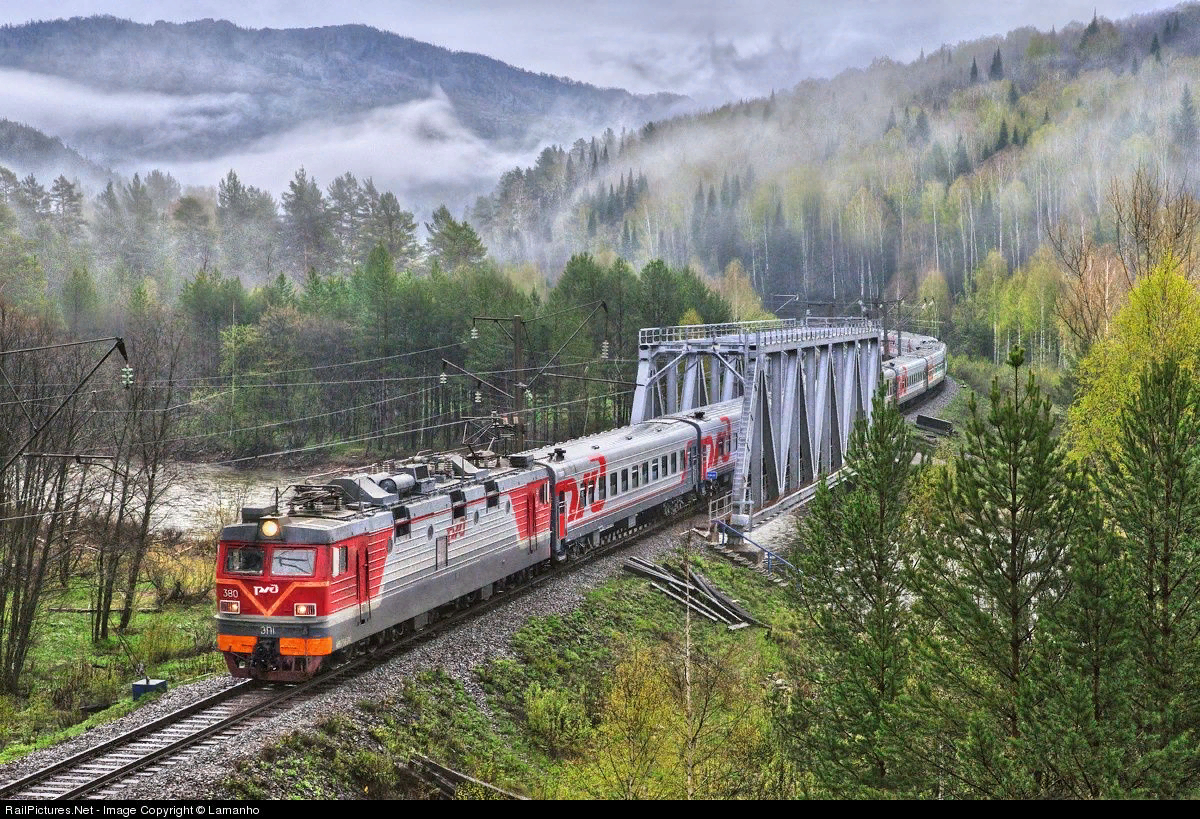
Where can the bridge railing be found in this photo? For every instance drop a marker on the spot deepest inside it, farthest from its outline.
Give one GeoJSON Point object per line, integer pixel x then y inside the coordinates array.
{"type": "Point", "coordinates": [772, 562]}
{"type": "Point", "coordinates": [776, 330]}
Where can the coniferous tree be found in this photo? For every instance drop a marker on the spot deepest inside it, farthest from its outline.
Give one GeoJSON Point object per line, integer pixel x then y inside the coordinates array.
{"type": "Point", "coordinates": [1081, 733]}
{"type": "Point", "coordinates": [453, 244]}
{"type": "Point", "coordinates": [962, 162]}
{"type": "Point", "coordinates": [1156, 49]}
{"type": "Point", "coordinates": [1185, 120]}
{"type": "Point", "coordinates": [853, 557]}
{"type": "Point", "coordinates": [1152, 487]}
{"type": "Point", "coordinates": [996, 70]}
{"type": "Point", "coordinates": [974, 71]}
{"type": "Point", "coordinates": [992, 570]}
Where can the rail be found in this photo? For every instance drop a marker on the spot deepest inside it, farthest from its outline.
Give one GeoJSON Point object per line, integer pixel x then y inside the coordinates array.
{"type": "Point", "coordinates": [772, 562]}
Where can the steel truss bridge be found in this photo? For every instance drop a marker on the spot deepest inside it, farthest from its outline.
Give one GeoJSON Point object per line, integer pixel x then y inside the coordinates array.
{"type": "Point", "coordinates": [802, 384]}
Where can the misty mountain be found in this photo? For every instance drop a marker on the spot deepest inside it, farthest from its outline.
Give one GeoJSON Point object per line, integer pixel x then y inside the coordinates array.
{"type": "Point", "coordinates": [204, 89]}
{"type": "Point", "coordinates": [894, 178]}
{"type": "Point", "coordinates": [26, 150]}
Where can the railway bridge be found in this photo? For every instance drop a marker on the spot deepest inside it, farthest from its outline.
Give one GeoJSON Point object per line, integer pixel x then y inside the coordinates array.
{"type": "Point", "coordinates": [802, 384]}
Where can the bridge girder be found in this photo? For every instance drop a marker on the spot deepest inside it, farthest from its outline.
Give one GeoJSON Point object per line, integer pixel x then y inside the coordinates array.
{"type": "Point", "coordinates": [802, 385]}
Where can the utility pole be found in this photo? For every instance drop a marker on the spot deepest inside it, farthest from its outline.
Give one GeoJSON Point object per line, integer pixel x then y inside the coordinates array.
{"type": "Point", "coordinates": [518, 397]}
{"type": "Point", "coordinates": [518, 329]}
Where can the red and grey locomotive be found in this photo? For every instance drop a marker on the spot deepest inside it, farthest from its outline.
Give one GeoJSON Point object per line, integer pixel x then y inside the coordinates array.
{"type": "Point", "coordinates": [358, 557]}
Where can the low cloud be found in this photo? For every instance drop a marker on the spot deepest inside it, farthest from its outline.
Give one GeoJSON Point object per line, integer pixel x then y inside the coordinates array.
{"type": "Point", "coordinates": [419, 150]}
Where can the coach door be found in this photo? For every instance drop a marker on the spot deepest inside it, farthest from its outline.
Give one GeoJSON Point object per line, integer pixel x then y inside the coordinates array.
{"type": "Point", "coordinates": [531, 507]}
{"type": "Point", "coordinates": [363, 569]}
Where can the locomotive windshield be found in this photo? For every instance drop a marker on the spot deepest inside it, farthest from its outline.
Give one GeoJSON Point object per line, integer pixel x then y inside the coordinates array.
{"type": "Point", "coordinates": [244, 560]}
{"type": "Point", "coordinates": [293, 561]}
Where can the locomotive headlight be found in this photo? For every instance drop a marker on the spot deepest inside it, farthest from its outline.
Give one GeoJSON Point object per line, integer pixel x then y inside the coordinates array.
{"type": "Point", "coordinates": [305, 609]}
{"type": "Point", "coordinates": [230, 607]}
{"type": "Point", "coordinates": [268, 527]}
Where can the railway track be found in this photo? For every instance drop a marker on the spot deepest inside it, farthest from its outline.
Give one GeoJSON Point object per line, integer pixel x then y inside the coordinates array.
{"type": "Point", "coordinates": [104, 770]}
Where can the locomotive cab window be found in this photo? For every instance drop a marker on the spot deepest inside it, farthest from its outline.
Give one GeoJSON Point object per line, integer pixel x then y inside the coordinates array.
{"type": "Point", "coordinates": [338, 562]}
{"type": "Point", "coordinates": [293, 561]}
{"type": "Point", "coordinates": [244, 560]}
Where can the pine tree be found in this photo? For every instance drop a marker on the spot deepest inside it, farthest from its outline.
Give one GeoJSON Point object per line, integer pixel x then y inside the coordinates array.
{"type": "Point", "coordinates": [1156, 49]}
{"type": "Point", "coordinates": [1002, 140]}
{"type": "Point", "coordinates": [1152, 487]}
{"type": "Point", "coordinates": [996, 70]}
{"type": "Point", "coordinates": [1013, 96]}
{"type": "Point", "coordinates": [989, 573]}
{"type": "Point", "coordinates": [1081, 733]}
{"type": "Point", "coordinates": [853, 558]}
{"type": "Point", "coordinates": [1185, 121]}
{"type": "Point", "coordinates": [453, 244]}
{"type": "Point", "coordinates": [962, 163]}
{"type": "Point", "coordinates": [974, 71]}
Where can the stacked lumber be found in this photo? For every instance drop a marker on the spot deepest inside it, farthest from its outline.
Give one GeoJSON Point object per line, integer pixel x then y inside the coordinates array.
{"type": "Point", "coordinates": [692, 589]}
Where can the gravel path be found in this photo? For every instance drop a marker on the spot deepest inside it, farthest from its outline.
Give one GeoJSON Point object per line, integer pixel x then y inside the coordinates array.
{"type": "Point", "coordinates": [456, 652]}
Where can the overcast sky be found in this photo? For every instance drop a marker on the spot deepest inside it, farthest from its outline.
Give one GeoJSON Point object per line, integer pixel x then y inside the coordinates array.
{"type": "Point", "coordinates": [707, 49]}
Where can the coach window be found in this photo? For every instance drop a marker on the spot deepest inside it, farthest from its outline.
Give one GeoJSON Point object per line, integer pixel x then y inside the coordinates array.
{"type": "Point", "coordinates": [624, 480]}
{"type": "Point", "coordinates": [603, 487]}
{"type": "Point", "coordinates": [654, 471]}
{"type": "Point", "coordinates": [674, 462]}
{"type": "Point", "coordinates": [664, 466]}
{"type": "Point", "coordinates": [612, 484]}
{"type": "Point", "coordinates": [634, 469]}
{"type": "Point", "coordinates": [591, 491]}
{"type": "Point", "coordinates": [645, 473]}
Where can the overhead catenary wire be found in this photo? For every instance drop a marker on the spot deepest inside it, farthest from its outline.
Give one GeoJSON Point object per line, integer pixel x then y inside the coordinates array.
{"type": "Point", "coordinates": [401, 429]}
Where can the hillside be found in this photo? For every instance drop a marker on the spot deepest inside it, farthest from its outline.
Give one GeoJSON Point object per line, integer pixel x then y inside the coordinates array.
{"type": "Point", "coordinates": [27, 150]}
{"type": "Point", "coordinates": [217, 87]}
{"type": "Point", "coordinates": [837, 189]}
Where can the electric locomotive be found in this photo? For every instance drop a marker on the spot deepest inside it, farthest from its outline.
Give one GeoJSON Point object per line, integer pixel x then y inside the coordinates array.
{"type": "Point", "coordinates": [338, 565]}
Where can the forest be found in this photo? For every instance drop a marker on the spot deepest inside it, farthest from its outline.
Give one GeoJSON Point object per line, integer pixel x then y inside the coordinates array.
{"type": "Point", "coordinates": [1016, 621]}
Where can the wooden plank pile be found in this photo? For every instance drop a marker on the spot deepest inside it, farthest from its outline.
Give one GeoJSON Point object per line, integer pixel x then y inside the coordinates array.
{"type": "Point", "coordinates": [695, 591]}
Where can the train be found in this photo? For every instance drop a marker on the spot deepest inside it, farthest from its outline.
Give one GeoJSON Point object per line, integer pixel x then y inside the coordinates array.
{"type": "Point", "coordinates": [354, 561]}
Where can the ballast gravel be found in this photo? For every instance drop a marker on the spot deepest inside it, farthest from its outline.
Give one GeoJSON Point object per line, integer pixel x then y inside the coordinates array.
{"type": "Point", "coordinates": [457, 652]}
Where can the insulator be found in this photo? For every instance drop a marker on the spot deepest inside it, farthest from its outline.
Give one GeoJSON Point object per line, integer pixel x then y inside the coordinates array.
{"type": "Point", "coordinates": [474, 333]}
{"type": "Point", "coordinates": [127, 377]}
{"type": "Point", "coordinates": [604, 349]}
{"type": "Point", "coordinates": [478, 397]}
{"type": "Point", "coordinates": [443, 379]}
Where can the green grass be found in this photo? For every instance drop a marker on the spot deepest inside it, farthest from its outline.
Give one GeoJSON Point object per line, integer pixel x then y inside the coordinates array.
{"type": "Point", "coordinates": [543, 701]}
{"type": "Point", "coordinates": [67, 672]}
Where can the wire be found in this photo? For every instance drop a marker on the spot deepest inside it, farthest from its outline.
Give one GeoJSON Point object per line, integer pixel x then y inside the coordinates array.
{"type": "Point", "coordinates": [397, 430]}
